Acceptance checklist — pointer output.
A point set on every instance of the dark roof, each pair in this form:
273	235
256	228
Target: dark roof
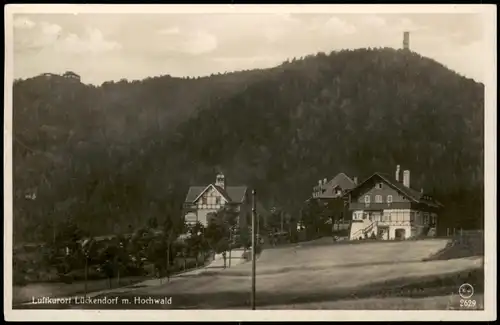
341	180
230	193
412	194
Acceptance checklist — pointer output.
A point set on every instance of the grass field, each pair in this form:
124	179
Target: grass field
324	275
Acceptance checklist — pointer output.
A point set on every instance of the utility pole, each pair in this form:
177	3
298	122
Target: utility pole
281	217
86	252
86	273
258	227
254	214
230	244
169	239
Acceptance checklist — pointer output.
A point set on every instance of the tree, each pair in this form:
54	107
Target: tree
65	252
157	254
213	234
171	231
89	251
283	128
152	223
196	241
222	229
107	263
312	217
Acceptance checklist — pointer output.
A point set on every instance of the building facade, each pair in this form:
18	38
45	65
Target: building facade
204	201
385	208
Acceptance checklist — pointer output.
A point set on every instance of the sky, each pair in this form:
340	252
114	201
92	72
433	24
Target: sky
105	46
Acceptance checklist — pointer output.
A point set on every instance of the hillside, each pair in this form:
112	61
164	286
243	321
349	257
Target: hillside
123	152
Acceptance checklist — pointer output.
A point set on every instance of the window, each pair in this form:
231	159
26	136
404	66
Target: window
217	200
378	186
412	216
378	198
367	199
204	200
389	198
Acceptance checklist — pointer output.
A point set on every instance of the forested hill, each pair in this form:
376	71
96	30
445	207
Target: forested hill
121	153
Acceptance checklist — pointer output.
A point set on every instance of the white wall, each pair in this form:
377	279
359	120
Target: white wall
398	215
394	219
357	215
191	217
202	215
392	231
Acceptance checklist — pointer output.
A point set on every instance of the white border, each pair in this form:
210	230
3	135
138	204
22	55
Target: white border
489	14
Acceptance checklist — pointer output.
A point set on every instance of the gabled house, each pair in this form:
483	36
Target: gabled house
329	196
203	201
334	188
387	208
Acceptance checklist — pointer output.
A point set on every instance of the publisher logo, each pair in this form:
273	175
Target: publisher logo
466	291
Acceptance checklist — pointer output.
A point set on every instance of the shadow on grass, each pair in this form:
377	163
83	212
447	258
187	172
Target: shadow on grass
466	245
246	272
403	287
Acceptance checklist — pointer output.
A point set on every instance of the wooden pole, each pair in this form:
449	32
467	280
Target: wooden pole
254	212
86	273
168	260
169	240
281	216
230	245
258	226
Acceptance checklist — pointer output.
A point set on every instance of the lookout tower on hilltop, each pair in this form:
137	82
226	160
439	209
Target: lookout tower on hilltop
406	41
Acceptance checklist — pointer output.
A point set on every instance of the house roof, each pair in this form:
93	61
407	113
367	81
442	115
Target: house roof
412	194
230	193
340	180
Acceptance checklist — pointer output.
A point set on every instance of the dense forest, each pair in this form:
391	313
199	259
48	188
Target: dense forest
111	157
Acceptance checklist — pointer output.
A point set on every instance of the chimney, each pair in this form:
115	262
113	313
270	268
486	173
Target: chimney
406	41
319	182
397	173
406	178
220	181
324	181
355	179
